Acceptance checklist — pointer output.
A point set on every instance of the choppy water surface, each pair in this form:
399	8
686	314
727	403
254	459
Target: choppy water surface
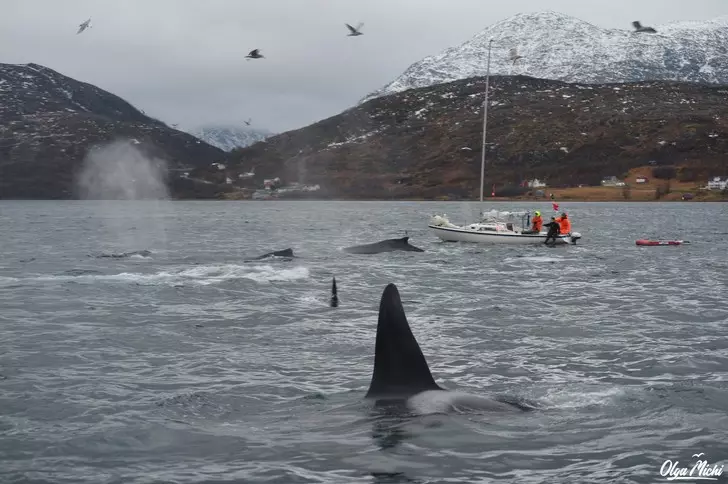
193	366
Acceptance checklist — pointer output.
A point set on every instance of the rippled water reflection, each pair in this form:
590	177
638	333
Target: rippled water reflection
194	366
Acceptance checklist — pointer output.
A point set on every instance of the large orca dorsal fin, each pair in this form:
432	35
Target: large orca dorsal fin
400	368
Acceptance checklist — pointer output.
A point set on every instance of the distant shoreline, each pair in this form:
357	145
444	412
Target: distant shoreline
486	200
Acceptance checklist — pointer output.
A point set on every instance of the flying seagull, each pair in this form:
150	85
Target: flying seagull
255	54
247	123
513	54
84	26
353	32
639	28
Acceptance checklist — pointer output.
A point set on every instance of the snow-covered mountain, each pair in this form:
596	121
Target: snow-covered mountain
560	47
230	137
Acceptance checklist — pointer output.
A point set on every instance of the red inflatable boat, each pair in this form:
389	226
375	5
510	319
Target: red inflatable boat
661	242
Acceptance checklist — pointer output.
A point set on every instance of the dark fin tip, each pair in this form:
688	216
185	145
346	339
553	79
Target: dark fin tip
390	291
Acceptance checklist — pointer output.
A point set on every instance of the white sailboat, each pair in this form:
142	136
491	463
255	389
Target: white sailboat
494	226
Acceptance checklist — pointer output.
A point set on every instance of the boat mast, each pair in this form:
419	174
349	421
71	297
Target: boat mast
485	120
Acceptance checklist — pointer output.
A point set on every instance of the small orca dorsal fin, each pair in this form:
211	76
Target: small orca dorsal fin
400	368
334	302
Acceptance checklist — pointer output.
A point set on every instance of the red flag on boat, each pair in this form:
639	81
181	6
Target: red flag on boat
556	206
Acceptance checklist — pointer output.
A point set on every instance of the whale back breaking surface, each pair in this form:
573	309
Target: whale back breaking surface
400	368
285	254
281	253
388	245
409	247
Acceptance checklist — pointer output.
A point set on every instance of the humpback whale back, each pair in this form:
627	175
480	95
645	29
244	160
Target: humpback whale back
400	368
388	245
406	245
282	253
285	254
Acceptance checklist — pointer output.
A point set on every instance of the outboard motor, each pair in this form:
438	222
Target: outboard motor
574	237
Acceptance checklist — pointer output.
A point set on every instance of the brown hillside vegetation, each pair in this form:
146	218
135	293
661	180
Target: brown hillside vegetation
425	143
653	190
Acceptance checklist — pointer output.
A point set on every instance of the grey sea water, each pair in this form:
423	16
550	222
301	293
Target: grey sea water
193	366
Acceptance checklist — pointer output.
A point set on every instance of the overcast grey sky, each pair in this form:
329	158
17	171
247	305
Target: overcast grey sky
182	61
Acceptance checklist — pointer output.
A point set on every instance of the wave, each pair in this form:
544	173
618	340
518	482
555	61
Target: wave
199	275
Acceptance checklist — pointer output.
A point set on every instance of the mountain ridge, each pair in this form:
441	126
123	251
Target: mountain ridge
561	47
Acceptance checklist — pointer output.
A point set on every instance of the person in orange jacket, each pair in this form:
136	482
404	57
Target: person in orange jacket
564	224
537	222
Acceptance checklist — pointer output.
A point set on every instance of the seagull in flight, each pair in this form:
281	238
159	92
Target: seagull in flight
353	32
255	54
513	54
639	28
247	123
84	26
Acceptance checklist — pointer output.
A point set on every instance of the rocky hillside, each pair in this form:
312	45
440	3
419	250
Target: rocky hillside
228	138
426	143
49	122
559	47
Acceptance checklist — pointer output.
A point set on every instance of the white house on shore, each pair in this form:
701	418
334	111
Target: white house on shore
249	174
612	181
271	184
536	183
718	183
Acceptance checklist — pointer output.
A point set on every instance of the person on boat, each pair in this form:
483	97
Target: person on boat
537	222
564	224
554	228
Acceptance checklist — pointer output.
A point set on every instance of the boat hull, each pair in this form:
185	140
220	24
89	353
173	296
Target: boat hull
449	234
